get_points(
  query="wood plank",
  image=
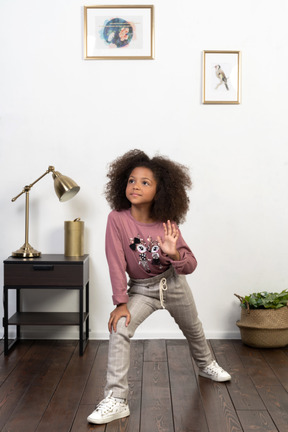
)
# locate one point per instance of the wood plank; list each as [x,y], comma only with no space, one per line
[278,361]
[220,413]
[156,414]
[45,385]
[94,389]
[11,361]
[244,394]
[155,350]
[226,356]
[30,408]
[252,421]
[241,388]
[17,383]
[60,413]
[226,418]
[131,423]
[136,360]
[255,365]
[188,410]
[275,399]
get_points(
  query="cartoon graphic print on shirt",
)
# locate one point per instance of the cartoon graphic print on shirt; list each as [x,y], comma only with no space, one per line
[143,248]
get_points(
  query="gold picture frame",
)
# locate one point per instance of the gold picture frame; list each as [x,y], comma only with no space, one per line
[221,77]
[121,32]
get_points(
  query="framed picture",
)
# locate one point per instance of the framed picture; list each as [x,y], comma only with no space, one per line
[221,77]
[119,32]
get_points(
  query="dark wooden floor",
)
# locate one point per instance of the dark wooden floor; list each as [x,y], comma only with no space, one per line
[46,386]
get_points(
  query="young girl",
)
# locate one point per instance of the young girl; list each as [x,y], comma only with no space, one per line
[149,200]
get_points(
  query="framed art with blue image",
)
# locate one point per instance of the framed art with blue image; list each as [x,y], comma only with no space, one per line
[119,32]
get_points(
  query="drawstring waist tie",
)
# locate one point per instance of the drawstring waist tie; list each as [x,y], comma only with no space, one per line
[162,287]
[160,279]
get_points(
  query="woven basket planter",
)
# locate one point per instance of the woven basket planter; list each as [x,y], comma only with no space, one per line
[264,328]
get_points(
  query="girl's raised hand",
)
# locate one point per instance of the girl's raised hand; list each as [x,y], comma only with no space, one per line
[168,244]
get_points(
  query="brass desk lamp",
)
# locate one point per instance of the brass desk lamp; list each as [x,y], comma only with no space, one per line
[65,189]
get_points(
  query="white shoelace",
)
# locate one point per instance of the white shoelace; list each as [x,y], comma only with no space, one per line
[214,368]
[107,404]
[162,287]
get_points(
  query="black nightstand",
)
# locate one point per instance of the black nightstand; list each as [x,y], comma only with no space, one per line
[47,272]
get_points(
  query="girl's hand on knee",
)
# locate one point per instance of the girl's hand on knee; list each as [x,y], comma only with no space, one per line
[119,312]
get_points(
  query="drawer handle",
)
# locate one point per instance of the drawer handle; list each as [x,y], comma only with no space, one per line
[43,267]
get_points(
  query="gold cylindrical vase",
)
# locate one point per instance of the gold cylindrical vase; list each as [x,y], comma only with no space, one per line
[74,237]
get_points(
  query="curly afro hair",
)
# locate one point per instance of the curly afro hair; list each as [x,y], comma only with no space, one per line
[171,201]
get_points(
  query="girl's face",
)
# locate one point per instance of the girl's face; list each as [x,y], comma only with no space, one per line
[141,186]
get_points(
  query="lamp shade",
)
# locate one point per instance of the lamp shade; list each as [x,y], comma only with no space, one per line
[65,187]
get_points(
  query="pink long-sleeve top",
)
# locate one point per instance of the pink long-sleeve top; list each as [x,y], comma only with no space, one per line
[132,248]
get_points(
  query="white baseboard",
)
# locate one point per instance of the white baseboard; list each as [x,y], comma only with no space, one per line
[71,334]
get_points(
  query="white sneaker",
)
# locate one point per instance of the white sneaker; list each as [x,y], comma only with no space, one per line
[109,409]
[215,372]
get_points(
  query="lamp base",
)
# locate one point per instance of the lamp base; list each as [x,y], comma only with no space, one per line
[26,251]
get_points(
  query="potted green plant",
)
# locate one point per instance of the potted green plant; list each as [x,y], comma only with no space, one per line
[264,319]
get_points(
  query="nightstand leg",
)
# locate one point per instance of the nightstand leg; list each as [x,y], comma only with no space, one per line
[18,306]
[5,320]
[81,321]
[83,341]
[8,345]
[87,311]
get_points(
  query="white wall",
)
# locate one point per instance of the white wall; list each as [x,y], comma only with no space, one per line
[58,109]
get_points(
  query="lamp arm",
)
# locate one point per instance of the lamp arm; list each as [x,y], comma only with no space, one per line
[27,188]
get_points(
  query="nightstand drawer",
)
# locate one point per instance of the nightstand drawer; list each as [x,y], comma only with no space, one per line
[43,274]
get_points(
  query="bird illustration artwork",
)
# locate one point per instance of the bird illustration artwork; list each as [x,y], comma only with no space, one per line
[221,76]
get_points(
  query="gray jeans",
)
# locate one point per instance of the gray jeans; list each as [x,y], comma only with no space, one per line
[168,290]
